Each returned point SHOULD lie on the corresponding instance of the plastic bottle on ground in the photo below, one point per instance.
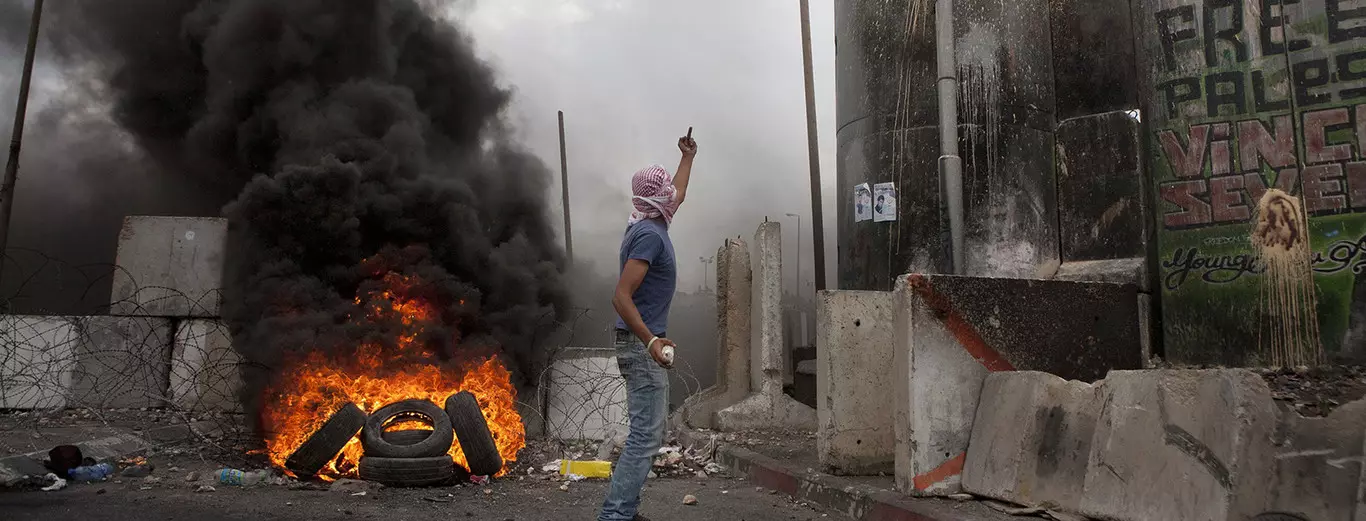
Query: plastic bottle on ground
(239, 478)
(91, 472)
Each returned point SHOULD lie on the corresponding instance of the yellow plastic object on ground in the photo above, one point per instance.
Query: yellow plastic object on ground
(587, 469)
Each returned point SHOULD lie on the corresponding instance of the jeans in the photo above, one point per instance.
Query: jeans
(647, 403)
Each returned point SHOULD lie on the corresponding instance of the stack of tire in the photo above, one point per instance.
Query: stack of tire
(405, 458)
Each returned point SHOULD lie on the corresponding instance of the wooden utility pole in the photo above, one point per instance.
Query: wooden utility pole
(17, 137)
(564, 183)
(818, 221)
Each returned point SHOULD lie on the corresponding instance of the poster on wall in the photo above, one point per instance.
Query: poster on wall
(863, 203)
(884, 202)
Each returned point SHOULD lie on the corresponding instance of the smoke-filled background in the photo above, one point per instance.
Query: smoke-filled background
(630, 75)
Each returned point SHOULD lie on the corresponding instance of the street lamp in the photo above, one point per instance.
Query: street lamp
(705, 261)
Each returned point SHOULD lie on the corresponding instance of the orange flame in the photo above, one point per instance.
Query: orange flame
(309, 391)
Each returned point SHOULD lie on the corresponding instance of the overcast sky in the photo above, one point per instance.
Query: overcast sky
(631, 77)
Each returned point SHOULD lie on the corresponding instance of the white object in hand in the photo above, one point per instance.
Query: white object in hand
(668, 353)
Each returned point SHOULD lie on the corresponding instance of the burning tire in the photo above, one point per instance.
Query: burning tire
(407, 472)
(327, 441)
(406, 437)
(438, 443)
(473, 431)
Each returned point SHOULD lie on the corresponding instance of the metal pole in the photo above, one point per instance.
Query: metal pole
(564, 183)
(950, 164)
(798, 281)
(17, 137)
(818, 223)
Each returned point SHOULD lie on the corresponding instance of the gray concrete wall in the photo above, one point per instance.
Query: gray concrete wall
(855, 342)
(122, 362)
(888, 133)
(39, 356)
(205, 370)
(586, 396)
(169, 266)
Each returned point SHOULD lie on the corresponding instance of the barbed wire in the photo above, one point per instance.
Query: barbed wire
(157, 358)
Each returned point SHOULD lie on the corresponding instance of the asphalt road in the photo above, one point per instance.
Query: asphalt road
(531, 498)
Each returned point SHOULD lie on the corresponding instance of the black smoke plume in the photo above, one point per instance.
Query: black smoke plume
(361, 136)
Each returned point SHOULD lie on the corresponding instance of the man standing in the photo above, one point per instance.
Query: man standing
(642, 299)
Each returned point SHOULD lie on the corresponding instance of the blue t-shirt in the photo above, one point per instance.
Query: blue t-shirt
(648, 240)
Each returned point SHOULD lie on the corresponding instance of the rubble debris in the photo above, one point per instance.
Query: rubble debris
(479, 480)
(1317, 391)
(564, 487)
(350, 486)
(689, 500)
(1014, 510)
(1064, 516)
(57, 483)
(191, 476)
(137, 471)
(962, 497)
(205, 488)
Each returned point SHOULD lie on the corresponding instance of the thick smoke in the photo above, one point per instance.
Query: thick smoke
(361, 136)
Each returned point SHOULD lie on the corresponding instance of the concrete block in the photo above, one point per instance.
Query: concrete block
(169, 266)
(766, 311)
(587, 396)
(1102, 211)
(1319, 464)
(1119, 271)
(1181, 445)
(205, 369)
(1031, 441)
(122, 362)
(937, 388)
(767, 407)
(734, 279)
(854, 339)
(1361, 488)
(951, 331)
(37, 356)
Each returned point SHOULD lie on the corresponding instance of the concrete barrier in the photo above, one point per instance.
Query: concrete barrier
(1181, 445)
(1318, 464)
(767, 407)
(587, 396)
(122, 362)
(1031, 439)
(39, 354)
(1163, 445)
(734, 279)
(169, 266)
(951, 331)
(1361, 487)
(205, 369)
(854, 342)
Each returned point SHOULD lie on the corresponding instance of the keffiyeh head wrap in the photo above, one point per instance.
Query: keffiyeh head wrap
(652, 195)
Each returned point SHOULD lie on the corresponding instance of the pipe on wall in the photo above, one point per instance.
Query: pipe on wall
(950, 164)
